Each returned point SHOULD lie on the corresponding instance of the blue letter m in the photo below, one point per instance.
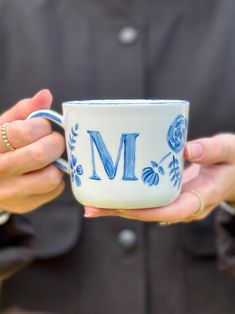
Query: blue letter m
(128, 141)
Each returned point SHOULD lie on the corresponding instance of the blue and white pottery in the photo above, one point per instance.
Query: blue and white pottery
(123, 153)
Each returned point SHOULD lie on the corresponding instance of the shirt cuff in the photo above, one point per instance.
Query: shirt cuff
(4, 217)
(229, 208)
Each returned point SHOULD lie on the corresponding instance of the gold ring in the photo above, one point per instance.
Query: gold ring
(5, 138)
(201, 206)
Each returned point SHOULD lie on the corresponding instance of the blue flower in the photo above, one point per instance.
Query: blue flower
(149, 176)
(76, 170)
(177, 133)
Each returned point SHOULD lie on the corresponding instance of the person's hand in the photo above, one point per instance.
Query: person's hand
(211, 175)
(28, 178)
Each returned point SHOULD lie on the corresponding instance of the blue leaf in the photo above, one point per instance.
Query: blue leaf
(173, 177)
(73, 160)
(149, 176)
(154, 180)
(175, 173)
(173, 163)
(71, 147)
(73, 141)
(70, 137)
(161, 170)
(73, 130)
(79, 170)
(72, 175)
(147, 172)
(179, 182)
(154, 163)
(176, 161)
(174, 170)
(77, 180)
(146, 175)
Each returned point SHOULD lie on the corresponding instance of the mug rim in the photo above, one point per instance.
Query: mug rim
(123, 102)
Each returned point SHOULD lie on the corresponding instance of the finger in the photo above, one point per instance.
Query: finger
(32, 157)
(206, 186)
(24, 132)
(216, 149)
(42, 181)
(38, 182)
(182, 209)
(94, 212)
(42, 100)
(35, 201)
(191, 172)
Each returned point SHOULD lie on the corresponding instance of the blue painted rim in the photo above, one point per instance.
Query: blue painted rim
(117, 102)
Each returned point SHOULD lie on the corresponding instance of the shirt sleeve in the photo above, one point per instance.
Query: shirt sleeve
(229, 208)
(18, 245)
(225, 241)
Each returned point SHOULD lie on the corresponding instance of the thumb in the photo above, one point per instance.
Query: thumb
(212, 150)
(42, 100)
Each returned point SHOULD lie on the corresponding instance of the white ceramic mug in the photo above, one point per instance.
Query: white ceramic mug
(123, 153)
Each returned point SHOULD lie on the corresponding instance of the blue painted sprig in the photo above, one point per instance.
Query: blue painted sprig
(73, 136)
(75, 168)
(175, 173)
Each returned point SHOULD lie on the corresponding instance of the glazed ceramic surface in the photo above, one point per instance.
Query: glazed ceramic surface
(123, 153)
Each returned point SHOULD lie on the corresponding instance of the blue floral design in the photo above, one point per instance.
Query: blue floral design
(76, 170)
(175, 173)
(73, 136)
(150, 175)
(176, 137)
(177, 133)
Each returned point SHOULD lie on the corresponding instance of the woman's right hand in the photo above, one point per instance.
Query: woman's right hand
(28, 179)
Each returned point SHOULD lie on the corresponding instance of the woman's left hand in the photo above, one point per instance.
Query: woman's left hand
(209, 180)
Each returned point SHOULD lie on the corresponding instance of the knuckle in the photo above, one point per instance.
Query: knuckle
(61, 188)
(45, 124)
(18, 208)
(54, 177)
(59, 140)
(23, 133)
(4, 169)
(6, 200)
(39, 155)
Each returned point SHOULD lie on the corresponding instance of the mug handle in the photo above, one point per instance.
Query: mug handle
(59, 120)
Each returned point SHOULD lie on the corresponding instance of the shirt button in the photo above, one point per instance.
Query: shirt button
(127, 239)
(127, 35)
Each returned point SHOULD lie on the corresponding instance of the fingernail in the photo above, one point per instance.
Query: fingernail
(90, 213)
(44, 92)
(38, 93)
(195, 150)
